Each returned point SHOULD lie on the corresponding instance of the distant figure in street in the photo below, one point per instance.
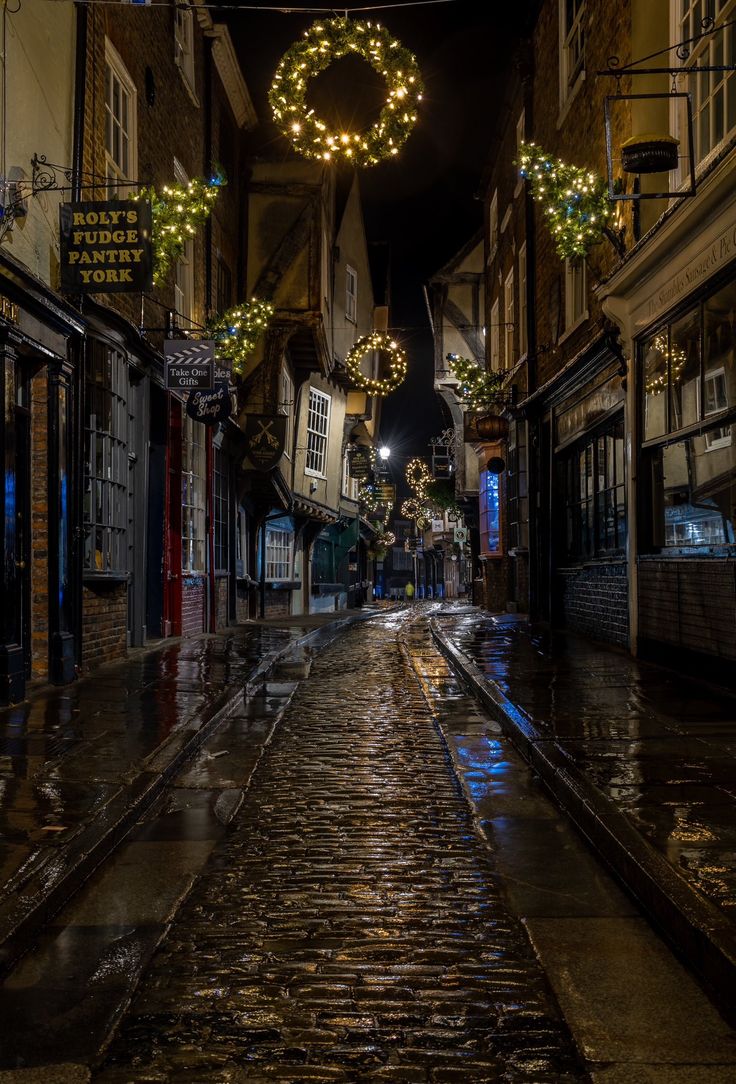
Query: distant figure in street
(409, 592)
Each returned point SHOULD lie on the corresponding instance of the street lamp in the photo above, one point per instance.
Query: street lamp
(384, 452)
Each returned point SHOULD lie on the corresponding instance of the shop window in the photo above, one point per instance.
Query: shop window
(572, 46)
(279, 554)
(318, 427)
(106, 461)
(221, 504)
(517, 500)
(692, 353)
(593, 485)
(120, 123)
(694, 492)
(193, 496)
(241, 543)
(490, 513)
(351, 295)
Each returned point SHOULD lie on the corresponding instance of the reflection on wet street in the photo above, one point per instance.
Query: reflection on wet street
(351, 926)
(64, 753)
(660, 746)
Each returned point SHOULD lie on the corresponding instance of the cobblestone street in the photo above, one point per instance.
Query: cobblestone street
(351, 926)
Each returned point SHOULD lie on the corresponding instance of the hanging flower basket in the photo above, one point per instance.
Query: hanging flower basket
(649, 153)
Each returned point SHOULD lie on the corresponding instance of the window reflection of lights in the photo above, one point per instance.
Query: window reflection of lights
(657, 383)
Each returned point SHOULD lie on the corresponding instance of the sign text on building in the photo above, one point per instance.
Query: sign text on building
(106, 246)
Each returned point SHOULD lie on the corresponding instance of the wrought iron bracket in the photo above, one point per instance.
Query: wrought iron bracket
(51, 177)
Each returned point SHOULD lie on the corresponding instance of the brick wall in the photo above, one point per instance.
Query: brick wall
(39, 526)
(242, 604)
(278, 603)
(104, 624)
(495, 585)
(690, 604)
(593, 600)
(193, 595)
(579, 138)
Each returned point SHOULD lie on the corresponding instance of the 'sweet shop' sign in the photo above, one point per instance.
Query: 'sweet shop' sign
(106, 247)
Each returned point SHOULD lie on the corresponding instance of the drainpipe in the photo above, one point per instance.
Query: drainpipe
(76, 466)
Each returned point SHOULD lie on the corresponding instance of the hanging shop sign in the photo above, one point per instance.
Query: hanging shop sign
(360, 462)
(215, 406)
(460, 534)
(265, 436)
(189, 365)
(106, 246)
(386, 493)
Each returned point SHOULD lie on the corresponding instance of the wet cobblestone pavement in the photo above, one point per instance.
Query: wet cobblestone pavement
(351, 927)
(660, 746)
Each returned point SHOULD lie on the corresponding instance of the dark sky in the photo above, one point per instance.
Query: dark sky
(423, 202)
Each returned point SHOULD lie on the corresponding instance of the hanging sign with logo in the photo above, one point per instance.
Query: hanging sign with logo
(360, 462)
(215, 406)
(265, 436)
(460, 534)
(106, 246)
(189, 365)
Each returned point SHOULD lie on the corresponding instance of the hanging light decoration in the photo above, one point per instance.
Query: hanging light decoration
(384, 344)
(575, 200)
(324, 42)
(176, 212)
(478, 388)
(237, 331)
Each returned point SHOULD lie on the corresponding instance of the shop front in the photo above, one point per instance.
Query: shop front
(675, 299)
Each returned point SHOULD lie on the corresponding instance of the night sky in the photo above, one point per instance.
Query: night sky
(423, 203)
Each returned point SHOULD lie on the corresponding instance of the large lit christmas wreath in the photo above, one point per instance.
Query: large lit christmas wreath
(329, 40)
(377, 340)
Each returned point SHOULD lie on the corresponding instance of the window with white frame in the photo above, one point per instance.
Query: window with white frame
(286, 406)
(574, 291)
(120, 121)
(716, 400)
(493, 226)
(220, 509)
(351, 294)
(713, 93)
(349, 485)
(318, 427)
(279, 554)
(184, 285)
(184, 42)
(572, 45)
(523, 343)
(508, 316)
(495, 335)
(193, 496)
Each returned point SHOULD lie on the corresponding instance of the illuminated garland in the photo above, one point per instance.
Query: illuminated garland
(397, 367)
(478, 387)
(238, 330)
(577, 204)
(368, 498)
(175, 214)
(418, 476)
(326, 41)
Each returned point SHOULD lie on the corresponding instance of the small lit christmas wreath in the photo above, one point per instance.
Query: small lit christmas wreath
(418, 476)
(238, 330)
(397, 367)
(329, 40)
